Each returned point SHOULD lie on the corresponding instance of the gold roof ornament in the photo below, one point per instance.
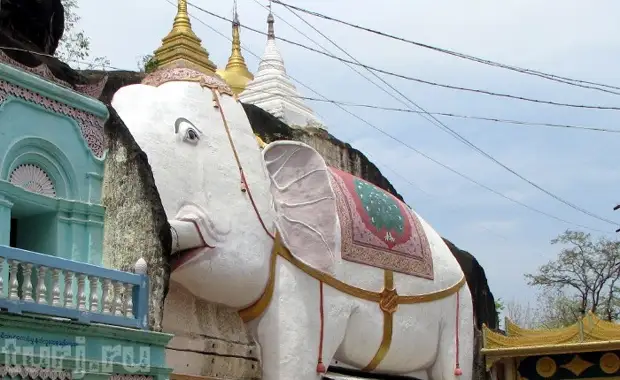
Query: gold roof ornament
(236, 73)
(182, 48)
(588, 334)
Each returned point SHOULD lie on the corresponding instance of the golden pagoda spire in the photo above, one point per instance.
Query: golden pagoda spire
(181, 47)
(236, 73)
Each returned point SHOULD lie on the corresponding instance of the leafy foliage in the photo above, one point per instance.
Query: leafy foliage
(74, 47)
(583, 277)
(147, 64)
(499, 305)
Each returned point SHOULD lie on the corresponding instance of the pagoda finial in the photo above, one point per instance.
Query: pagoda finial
(271, 35)
(181, 47)
(236, 59)
(236, 73)
(235, 14)
(181, 21)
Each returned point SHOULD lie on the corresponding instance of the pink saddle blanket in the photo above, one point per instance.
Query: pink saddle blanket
(379, 230)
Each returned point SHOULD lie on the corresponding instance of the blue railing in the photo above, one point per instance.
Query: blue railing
(53, 286)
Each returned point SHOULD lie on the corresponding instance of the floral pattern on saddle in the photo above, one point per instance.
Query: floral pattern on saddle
(379, 230)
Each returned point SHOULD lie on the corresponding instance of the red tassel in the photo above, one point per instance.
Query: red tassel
(320, 367)
(457, 371)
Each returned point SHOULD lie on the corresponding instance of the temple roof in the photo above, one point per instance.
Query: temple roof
(273, 90)
(588, 334)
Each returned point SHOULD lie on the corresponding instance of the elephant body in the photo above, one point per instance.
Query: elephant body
(322, 290)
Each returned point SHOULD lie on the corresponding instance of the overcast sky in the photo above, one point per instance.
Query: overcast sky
(566, 37)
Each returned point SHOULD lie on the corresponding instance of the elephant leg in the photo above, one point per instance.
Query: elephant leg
(289, 331)
(444, 367)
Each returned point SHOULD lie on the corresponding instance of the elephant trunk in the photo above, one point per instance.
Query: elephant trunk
(186, 235)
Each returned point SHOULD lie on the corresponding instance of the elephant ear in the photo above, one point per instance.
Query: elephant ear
(306, 214)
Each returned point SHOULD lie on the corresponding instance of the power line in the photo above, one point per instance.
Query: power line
(409, 146)
(410, 78)
(444, 127)
(553, 77)
(378, 129)
(445, 114)
(409, 110)
(374, 127)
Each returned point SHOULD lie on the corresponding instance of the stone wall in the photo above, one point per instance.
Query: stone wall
(135, 224)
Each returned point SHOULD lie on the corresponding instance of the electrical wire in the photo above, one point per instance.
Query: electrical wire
(452, 115)
(444, 127)
(383, 132)
(410, 78)
(553, 77)
(408, 145)
(445, 114)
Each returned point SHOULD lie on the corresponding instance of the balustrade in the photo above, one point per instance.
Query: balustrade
(62, 290)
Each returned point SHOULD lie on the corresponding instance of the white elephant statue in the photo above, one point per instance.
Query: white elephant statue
(353, 274)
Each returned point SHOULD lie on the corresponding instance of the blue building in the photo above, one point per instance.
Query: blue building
(62, 315)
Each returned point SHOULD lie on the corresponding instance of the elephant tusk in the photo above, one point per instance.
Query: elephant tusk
(185, 235)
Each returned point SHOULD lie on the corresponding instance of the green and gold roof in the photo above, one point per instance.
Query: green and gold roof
(589, 334)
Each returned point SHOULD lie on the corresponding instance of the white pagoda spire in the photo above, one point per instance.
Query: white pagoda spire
(273, 90)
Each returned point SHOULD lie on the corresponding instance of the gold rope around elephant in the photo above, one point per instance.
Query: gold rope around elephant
(388, 299)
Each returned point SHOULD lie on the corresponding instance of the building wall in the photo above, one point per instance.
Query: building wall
(80, 351)
(51, 167)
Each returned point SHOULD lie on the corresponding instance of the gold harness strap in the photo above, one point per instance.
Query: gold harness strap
(388, 300)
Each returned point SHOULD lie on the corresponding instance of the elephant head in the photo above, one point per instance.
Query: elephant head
(197, 137)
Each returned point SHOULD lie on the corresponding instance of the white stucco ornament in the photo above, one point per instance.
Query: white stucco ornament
(307, 296)
(34, 179)
(141, 266)
(274, 91)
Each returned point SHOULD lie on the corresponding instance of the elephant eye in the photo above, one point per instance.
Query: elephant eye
(191, 136)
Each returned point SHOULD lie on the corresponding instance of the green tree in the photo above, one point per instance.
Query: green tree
(499, 305)
(74, 47)
(499, 308)
(583, 277)
(147, 63)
